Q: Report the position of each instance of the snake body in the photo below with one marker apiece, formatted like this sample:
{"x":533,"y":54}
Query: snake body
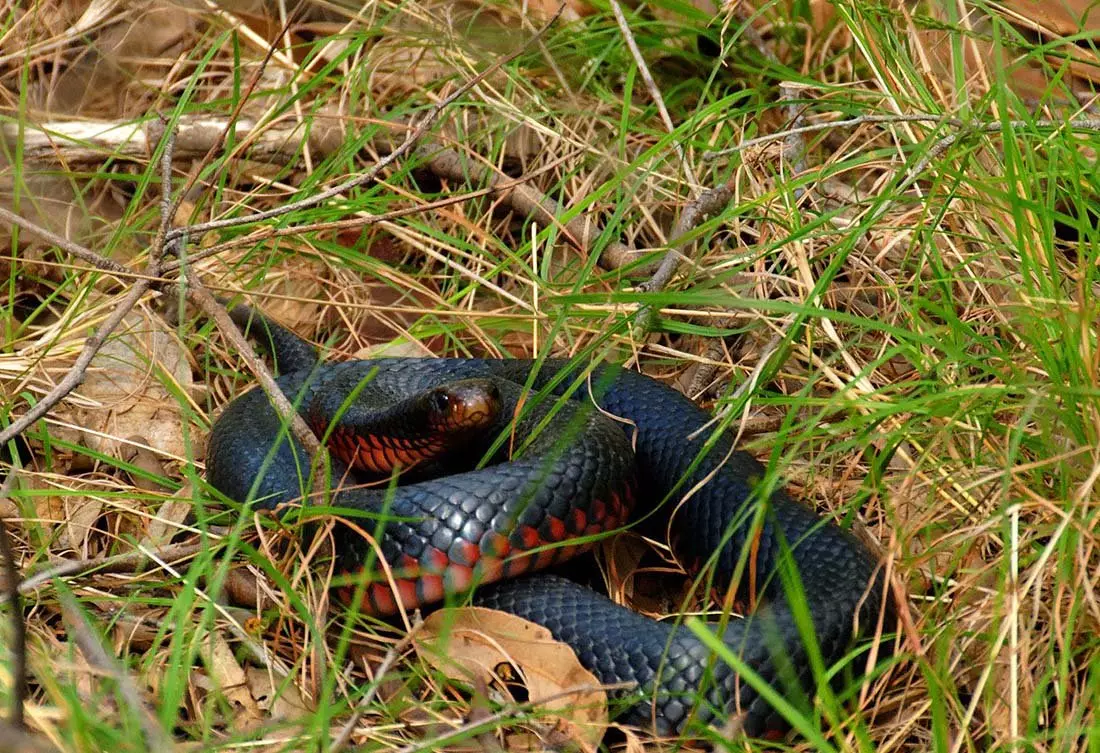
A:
{"x":566,"y":470}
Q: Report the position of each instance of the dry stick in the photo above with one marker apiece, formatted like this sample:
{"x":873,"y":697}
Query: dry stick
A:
{"x":1083,"y":124}
{"x":15,"y":603}
{"x":241,"y":102}
{"x":389,"y":159}
{"x":705,"y":369}
{"x":794,"y":151}
{"x":156,"y":251}
{"x":91,"y":142}
{"x":525,"y":199}
{"x":521,"y":201}
{"x":391,"y":657}
{"x":97,"y":656}
{"x":814,"y":127}
{"x":75,"y":375}
{"x":709,"y":202}
{"x":115,"y":563}
{"x":73,"y":249}
{"x":794,"y":148}
{"x":911,"y":176}
{"x":198,"y":293}
{"x":194,"y":136}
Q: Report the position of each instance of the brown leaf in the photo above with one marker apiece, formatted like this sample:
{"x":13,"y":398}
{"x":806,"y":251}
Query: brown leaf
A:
{"x":137,"y":453}
{"x":474,"y":642}
{"x":281,"y":700}
{"x":123,"y":393}
{"x":170,"y":518}
{"x":233,"y":682}
{"x":82,"y":510}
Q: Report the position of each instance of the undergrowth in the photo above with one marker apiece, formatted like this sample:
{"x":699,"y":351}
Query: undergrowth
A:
{"x":897,"y":317}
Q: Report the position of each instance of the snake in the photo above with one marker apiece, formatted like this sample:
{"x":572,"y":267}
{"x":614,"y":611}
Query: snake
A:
{"x":506,"y":467}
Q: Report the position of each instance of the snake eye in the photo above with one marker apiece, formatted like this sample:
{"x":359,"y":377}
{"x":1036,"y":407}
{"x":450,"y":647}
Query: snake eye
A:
{"x":441,"y":401}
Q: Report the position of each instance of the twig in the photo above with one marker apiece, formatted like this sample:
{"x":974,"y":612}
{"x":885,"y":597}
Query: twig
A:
{"x":83,"y":142}
{"x":73,"y":249}
{"x":713,"y":201}
{"x":15,"y":603}
{"x":97,"y":656}
{"x":500,"y":187}
{"x":1084,"y":124}
{"x":414,"y":135}
{"x":198,"y":293}
{"x":814,"y":127}
{"x":195,"y":134}
{"x":127,"y":562}
{"x":580,"y":232}
{"x":391,"y":657}
{"x":75,"y":376}
{"x":654,"y":91}
{"x":794,"y":149}
{"x":710,"y":201}
{"x":244,"y":99}
{"x":156,"y":250}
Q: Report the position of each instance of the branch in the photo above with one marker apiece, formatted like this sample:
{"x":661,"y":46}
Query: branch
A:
{"x":580,"y":232}
{"x":1083,"y":124}
{"x":75,"y":249}
{"x":198,"y":293}
{"x":391,"y":657}
{"x":414,"y":135}
{"x":115,"y":563}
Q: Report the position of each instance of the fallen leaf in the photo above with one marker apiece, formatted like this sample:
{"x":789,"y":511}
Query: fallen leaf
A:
{"x":124,"y":391}
{"x":280,"y":699}
{"x":474,"y":642}
{"x":82,"y":510}
{"x":170,"y":518}
{"x":136,"y":452}
{"x":232,"y":680}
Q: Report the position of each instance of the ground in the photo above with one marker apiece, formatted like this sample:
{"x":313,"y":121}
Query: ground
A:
{"x":863,"y":233}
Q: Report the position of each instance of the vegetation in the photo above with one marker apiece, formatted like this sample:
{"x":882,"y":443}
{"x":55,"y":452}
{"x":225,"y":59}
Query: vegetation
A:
{"x":884,"y":218}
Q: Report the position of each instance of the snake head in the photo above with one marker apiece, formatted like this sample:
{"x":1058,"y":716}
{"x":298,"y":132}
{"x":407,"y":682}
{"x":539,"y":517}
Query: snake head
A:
{"x":468,"y":405}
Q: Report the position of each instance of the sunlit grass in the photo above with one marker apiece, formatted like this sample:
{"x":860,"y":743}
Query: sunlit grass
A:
{"x":927,"y":349}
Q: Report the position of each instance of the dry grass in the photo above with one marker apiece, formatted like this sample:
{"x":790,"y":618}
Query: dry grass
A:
{"x":903,"y":326}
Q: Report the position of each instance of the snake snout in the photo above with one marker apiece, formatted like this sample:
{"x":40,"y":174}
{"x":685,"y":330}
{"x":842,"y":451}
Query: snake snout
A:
{"x":466,"y":405}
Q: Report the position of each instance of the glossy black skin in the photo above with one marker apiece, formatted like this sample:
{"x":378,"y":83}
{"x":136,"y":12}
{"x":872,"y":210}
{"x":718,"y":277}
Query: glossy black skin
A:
{"x":679,"y":681}
{"x":445,"y":512}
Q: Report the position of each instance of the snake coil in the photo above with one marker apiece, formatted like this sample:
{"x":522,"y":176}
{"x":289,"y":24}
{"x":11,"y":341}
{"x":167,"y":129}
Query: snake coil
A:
{"x":580,"y":474}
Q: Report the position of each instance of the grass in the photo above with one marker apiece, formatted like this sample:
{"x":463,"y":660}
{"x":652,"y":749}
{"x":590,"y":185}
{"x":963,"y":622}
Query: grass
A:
{"x":920,"y":349}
